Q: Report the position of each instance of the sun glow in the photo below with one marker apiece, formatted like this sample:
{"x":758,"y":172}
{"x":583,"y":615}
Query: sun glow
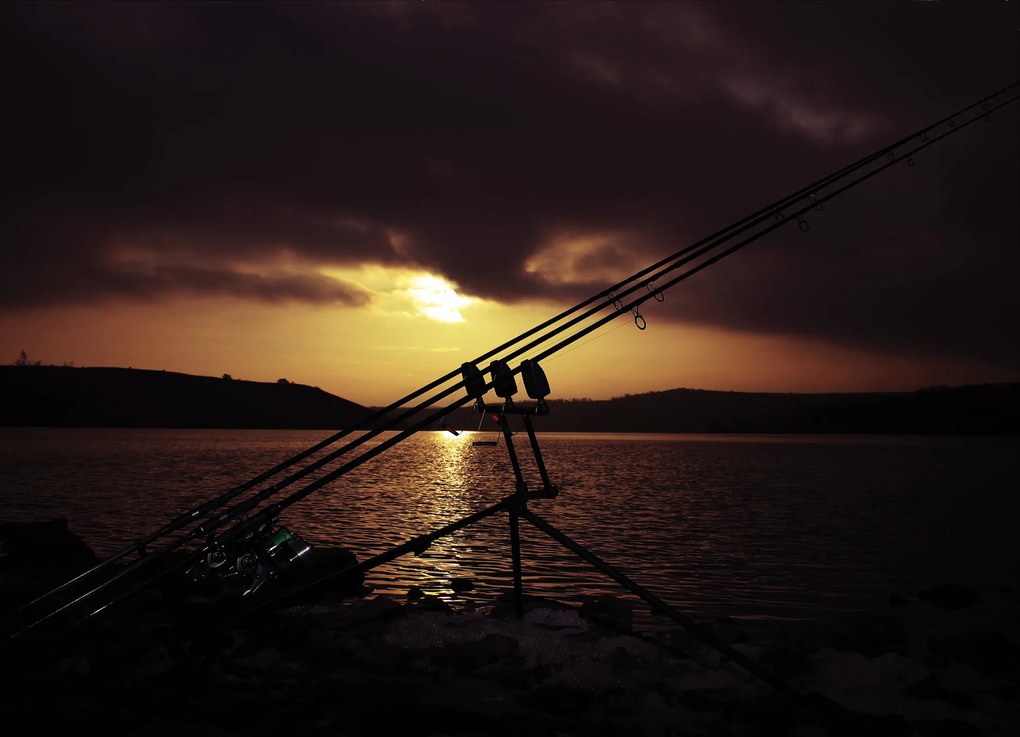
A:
{"x":435,"y":298}
{"x":446,"y":437}
{"x":407,"y":292}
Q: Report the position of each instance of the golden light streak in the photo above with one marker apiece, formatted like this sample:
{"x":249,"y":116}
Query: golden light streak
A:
{"x":373,"y":356}
{"x":407,"y":292}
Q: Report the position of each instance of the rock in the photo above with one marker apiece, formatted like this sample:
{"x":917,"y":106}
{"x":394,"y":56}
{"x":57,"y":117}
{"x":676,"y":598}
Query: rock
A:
{"x":430,"y":603}
{"x":931,"y":688}
{"x":787,"y":653}
{"x":371,"y":615}
{"x":43,"y":551}
{"x":944,"y":728}
{"x":724,"y":629}
{"x":462,"y":584}
{"x":609,"y":611}
{"x":552,"y":672}
{"x":16,"y":591}
{"x":817,"y":710}
{"x":987,"y":649}
{"x":561,"y":697}
{"x":870,"y":634}
{"x":708,"y":699}
{"x":329,"y":576}
{"x":622,"y":701}
{"x":506,"y":607}
{"x":469,"y":656}
{"x":1006,"y":691}
{"x":950,"y":596}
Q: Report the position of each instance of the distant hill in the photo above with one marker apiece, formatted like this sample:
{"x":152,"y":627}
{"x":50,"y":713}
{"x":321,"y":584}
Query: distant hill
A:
{"x":117,"y":397}
{"x":963,"y":410}
{"x":66,"y":396}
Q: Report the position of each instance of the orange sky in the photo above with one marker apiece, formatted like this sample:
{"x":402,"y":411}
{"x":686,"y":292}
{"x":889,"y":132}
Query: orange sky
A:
{"x":376,"y":354}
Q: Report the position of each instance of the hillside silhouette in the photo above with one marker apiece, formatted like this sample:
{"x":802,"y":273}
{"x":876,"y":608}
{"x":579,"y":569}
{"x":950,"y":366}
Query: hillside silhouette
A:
{"x":62,"y":396}
{"x":67,"y":396}
{"x":963,"y":410}
{"x":984,"y":409}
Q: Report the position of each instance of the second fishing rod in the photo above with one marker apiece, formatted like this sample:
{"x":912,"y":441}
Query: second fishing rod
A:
{"x":611,"y":298}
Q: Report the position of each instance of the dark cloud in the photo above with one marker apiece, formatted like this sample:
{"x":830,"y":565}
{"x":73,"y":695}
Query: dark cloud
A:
{"x":220,"y":148}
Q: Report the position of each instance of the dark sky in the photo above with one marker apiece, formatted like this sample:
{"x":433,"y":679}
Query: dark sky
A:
{"x":152,"y":148}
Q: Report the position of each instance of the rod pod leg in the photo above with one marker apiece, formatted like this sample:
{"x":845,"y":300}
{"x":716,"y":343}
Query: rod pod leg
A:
{"x":515,"y":555}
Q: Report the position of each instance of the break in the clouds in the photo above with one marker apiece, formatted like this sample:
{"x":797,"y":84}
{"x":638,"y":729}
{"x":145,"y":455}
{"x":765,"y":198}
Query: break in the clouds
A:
{"x":516,"y":150}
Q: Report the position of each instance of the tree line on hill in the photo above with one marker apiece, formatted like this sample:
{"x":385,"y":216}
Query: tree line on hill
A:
{"x":65,"y":396}
{"x":969,"y":409}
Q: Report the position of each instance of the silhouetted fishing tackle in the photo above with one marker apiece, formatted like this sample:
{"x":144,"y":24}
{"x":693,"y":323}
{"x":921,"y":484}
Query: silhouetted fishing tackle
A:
{"x":257,"y":552}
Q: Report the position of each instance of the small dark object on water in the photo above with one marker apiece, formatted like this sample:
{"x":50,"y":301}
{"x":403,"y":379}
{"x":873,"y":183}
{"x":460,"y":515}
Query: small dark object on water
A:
{"x":462,"y":584}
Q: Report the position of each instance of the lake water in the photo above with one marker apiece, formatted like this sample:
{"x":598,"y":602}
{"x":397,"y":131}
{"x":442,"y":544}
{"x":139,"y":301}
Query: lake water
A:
{"x":760,"y":528}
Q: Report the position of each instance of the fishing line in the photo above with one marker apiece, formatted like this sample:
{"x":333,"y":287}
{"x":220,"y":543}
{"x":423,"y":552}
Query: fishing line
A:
{"x":955,"y":128}
{"x":583,"y":343}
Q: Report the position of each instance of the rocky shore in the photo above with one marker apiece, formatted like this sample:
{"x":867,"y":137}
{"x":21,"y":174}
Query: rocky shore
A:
{"x":940,"y":662}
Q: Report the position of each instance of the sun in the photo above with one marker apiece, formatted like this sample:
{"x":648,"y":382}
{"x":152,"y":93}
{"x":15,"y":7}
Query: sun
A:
{"x":436,"y":298}
{"x":446,"y":437}
{"x":406,"y":292}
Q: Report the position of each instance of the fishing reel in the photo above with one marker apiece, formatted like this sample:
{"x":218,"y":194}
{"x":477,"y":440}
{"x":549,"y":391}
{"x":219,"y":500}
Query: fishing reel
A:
{"x":243,"y":566}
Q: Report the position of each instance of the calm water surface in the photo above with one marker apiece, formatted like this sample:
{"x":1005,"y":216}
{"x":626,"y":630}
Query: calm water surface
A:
{"x":754,"y":527}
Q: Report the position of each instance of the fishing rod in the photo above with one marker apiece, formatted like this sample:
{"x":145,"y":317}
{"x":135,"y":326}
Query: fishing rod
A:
{"x":610,"y":292}
{"x":141,"y":546}
{"x":810,"y":191}
{"x":631,"y":306}
{"x":516,"y":505}
{"x":613,"y":298}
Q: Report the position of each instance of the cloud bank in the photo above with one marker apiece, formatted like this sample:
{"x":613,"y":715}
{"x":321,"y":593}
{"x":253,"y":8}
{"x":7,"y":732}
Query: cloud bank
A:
{"x":521,"y":151}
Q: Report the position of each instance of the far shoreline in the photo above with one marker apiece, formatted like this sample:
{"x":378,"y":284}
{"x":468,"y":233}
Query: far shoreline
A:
{"x":63,"y":396}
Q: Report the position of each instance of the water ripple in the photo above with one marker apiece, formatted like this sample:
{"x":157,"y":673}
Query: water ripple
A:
{"x":756,"y":527}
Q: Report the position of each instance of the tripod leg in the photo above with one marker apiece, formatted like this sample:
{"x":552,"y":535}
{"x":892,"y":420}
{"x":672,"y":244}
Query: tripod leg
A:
{"x":538,"y":452}
{"x":515,"y":554}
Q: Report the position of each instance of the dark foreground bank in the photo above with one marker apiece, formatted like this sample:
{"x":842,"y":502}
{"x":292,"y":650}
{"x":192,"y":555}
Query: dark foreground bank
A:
{"x":942,"y":662}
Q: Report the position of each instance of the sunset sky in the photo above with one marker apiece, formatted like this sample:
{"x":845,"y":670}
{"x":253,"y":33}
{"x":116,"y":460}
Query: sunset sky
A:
{"x":361,"y":196}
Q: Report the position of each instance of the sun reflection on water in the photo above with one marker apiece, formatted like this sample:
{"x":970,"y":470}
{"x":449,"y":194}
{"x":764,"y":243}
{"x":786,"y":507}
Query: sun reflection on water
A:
{"x":453,"y":479}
